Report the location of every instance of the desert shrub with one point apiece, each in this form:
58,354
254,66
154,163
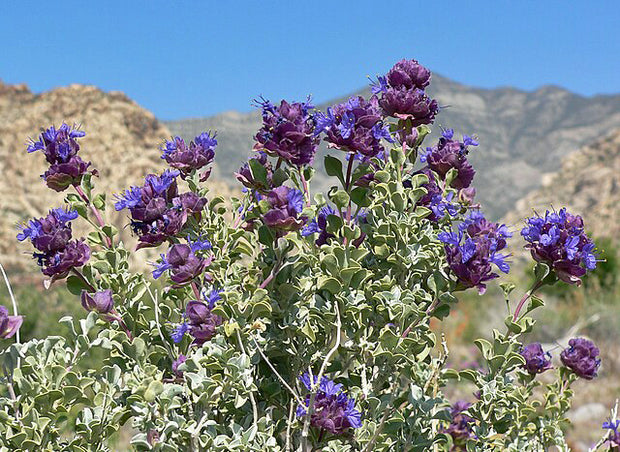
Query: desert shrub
304,322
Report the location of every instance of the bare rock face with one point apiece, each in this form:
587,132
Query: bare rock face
588,184
122,142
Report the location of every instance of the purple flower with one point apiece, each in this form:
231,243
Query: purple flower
559,240
408,74
202,322
50,233
472,250
461,425
246,175
582,357
319,225
158,211
100,302
9,324
60,147
536,360
59,263
186,159
354,126
402,93
286,205
179,331
450,154
176,363
183,264
287,132
51,237
333,409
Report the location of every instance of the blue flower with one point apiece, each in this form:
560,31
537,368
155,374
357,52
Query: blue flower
447,134
32,230
469,141
379,86
64,215
161,183
199,244
346,125
179,331
129,199
323,121
451,237
161,267
559,239
211,297
333,409
380,131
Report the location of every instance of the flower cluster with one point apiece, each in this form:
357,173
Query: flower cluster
186,159
51,237
559,239
354,126
473,248
288,132
199,321
582,357
9,324
183,263
158,212
536,360
333,410
60,147
451,154
402,93
461,425
285,207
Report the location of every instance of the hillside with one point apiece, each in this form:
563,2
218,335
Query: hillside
522,134
588,183
122,141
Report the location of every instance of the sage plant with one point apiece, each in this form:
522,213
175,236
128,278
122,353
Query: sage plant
287,319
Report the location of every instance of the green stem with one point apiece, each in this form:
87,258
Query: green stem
95,212
537,285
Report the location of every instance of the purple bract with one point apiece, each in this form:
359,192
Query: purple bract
199,153
582,357
158,212
354,126
473,248
536,360
287,132
333,410
9,324
286,205
60,147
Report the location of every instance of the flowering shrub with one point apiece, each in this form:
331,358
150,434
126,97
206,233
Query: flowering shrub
302,322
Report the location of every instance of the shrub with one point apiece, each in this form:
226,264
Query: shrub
302,324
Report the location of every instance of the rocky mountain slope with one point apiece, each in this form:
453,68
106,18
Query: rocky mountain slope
588,183
522,134
122,141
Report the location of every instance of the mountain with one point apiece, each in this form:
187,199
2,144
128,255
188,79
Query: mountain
588,184
522,134
122,142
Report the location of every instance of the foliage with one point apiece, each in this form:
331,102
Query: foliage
337,290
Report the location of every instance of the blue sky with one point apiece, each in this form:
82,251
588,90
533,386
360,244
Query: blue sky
190,58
